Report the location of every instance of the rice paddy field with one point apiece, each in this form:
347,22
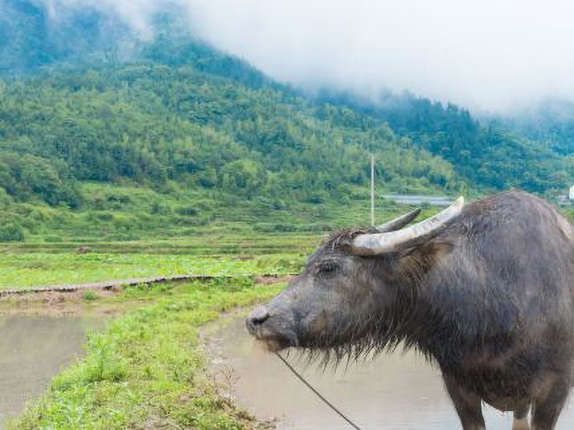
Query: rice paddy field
32,265
68,249
148,368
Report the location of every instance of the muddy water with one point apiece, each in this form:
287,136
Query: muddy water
33,349
393,392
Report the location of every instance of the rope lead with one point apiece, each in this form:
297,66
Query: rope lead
317,392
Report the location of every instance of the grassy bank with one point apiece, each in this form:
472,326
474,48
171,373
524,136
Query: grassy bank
281,250
21,270
147,370
112,214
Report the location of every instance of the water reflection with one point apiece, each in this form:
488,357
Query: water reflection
394,392
33,349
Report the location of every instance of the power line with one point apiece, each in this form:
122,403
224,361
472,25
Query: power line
372,190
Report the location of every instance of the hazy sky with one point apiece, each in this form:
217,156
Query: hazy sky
487,54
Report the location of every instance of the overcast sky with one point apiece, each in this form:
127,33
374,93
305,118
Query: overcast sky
487,54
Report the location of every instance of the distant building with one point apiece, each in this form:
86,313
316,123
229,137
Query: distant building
419,200
571,195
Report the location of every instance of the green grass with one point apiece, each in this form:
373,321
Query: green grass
203,246
250,238
35,269
147,370
230,244
114,214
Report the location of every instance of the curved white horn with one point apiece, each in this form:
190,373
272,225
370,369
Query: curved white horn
381,243
399,222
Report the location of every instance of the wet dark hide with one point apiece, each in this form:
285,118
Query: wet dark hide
490,300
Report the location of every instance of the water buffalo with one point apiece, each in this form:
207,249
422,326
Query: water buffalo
485,291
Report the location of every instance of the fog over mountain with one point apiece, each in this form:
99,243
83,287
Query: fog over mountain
486,55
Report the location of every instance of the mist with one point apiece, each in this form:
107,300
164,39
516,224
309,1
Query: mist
485,55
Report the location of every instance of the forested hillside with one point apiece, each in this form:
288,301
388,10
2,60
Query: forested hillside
173,132
551,123
152,124
525,152
173,128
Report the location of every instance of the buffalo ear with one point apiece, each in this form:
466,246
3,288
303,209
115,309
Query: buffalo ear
346,244
404,253
429,251
415,262
424,255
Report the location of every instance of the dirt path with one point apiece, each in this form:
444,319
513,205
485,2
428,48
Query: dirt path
72,299
119,283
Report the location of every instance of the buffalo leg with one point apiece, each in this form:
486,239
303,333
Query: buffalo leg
521,419
548,404
467,405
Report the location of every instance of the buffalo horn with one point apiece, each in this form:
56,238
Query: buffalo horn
399,222
382,243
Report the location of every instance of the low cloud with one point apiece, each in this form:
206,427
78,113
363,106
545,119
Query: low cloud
487,55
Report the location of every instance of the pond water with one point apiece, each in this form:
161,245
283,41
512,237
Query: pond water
394,392
33,349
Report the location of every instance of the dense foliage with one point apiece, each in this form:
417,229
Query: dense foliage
551,123
525,153
153,124
177,118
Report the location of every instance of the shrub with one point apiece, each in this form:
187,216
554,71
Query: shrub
90,295
285,227
11,233
53,239
321,228
158,208
186,210
106,216
317,197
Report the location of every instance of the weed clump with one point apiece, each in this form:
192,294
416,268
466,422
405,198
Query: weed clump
90,295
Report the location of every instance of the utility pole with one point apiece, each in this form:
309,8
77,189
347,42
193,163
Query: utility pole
372,190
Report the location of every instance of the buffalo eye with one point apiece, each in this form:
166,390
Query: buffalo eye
327,269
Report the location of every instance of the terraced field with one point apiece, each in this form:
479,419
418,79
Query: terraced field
35,264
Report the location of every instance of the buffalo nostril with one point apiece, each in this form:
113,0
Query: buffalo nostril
257,317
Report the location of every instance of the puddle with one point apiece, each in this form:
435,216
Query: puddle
393,392
33,349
